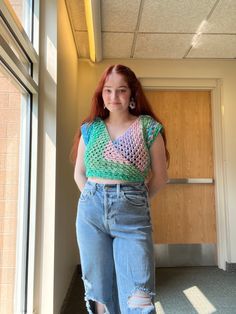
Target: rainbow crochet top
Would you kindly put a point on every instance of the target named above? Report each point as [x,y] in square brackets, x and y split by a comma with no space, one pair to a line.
[127,158]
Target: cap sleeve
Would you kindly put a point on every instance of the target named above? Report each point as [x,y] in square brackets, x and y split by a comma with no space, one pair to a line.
[151,129]
[85,131]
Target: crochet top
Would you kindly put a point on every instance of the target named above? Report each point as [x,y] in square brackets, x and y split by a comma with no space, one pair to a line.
[126,158]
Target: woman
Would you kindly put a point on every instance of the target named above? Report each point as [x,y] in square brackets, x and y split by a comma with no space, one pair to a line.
[120,164]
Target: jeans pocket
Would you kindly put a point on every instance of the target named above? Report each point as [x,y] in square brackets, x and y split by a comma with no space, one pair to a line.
[135,199]
[86,194]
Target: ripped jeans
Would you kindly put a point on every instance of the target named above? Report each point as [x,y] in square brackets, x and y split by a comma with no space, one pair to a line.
[114,235]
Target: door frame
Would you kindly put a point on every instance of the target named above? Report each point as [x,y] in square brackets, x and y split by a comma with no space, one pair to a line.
[214,86]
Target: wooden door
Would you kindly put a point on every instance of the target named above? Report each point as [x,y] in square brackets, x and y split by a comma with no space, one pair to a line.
[185,213]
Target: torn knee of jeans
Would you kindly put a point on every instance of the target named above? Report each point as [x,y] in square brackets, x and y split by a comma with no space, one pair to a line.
[90,301]
[140,299]
[87,284]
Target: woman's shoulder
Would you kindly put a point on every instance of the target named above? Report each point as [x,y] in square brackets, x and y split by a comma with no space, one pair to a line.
[151,128]
[91,124]
[88,127]
[148,120]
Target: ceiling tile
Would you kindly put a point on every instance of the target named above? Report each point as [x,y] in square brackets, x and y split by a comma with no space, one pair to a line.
[77,13]
[82,44]
[120,16]
[223,19]
[162,45]
[214,46]
[174,15]
[117,45]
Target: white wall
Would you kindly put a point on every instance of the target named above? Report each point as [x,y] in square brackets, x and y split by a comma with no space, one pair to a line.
[56,248]
[203,69]
[66,251]
[45,228]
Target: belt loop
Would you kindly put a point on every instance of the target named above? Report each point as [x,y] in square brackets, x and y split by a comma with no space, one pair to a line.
[118,190]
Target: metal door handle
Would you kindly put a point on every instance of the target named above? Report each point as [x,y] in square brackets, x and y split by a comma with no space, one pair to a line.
[191,181]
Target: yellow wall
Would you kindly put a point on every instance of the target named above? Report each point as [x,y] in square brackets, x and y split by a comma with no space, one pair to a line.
[46,187]
[203,69]
[56,247]
[66,251]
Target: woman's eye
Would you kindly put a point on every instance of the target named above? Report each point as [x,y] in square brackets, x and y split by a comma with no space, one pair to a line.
[122,90]
[107,91]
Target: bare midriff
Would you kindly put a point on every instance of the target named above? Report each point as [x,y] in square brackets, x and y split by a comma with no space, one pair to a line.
[106,181]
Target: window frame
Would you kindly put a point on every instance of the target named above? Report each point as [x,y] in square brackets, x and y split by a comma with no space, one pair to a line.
[26,245]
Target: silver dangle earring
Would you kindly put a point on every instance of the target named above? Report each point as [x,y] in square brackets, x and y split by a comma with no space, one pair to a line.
[132,104]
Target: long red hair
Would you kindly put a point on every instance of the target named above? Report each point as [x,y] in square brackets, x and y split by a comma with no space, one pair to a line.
[142,106]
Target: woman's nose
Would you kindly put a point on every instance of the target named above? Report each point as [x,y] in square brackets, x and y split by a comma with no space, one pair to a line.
[114,94]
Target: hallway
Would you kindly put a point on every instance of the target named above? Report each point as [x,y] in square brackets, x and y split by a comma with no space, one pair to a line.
[207,290]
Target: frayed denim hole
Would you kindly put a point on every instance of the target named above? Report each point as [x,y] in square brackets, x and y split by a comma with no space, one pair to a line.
[141,298]
[91,306]
[90,302]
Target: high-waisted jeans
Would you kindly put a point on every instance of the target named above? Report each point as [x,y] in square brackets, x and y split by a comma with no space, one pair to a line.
[114,235]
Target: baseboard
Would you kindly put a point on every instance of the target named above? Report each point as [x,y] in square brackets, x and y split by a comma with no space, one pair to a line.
[77,273]
[192,254]
[231,267]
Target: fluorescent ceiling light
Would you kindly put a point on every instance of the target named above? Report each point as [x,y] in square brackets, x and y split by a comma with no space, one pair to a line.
[93,20]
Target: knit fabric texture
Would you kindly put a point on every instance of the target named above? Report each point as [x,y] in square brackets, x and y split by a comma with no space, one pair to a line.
[126,158]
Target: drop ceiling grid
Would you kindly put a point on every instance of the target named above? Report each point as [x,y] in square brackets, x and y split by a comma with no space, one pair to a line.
[82,43]
[161,45]
[174,16]
[214,46]
[117,44]
[223,19]
[119,16]
[77,14]
[166,28]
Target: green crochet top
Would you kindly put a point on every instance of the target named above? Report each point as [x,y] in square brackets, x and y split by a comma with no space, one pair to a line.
[126,158]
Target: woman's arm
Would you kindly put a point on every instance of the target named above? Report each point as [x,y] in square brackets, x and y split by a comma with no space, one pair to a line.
[159,166]
[79,172]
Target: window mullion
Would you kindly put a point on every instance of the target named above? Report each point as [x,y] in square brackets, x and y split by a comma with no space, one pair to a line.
[8,14]
[12,62]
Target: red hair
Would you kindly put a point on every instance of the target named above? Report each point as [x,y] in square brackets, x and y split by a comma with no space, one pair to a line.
[142,106]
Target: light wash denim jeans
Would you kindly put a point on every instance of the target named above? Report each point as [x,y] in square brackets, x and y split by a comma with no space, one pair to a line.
[114,235]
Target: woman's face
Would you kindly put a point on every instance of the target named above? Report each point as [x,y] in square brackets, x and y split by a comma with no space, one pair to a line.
[116,93]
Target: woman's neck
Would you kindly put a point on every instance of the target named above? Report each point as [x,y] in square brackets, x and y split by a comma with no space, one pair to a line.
[119,118]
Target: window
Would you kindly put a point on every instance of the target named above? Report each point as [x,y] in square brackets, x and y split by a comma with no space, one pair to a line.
[14,46]
[18,135]
[24,11]
[14,169]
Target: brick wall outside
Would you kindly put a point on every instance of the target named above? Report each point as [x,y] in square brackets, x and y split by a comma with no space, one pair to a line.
[18,7]
[10,100]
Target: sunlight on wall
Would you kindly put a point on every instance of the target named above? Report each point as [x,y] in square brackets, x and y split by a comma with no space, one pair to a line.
[199,301]
[36,33]
[222,110]
[51,60]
